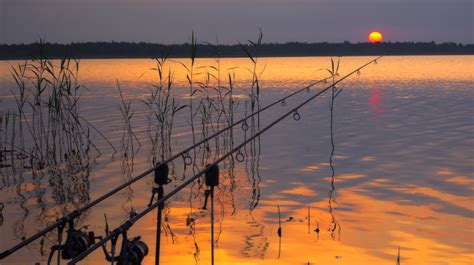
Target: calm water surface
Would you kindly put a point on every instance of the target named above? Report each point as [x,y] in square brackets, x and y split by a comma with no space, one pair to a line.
[403,160]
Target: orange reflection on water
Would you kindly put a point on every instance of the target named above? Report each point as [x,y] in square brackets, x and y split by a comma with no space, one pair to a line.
[459,201]
[346,177]
[250,237]
[309,168]
[461,180]
[290,72]
[302,191]
[245,239]
[388,224]
[375,217]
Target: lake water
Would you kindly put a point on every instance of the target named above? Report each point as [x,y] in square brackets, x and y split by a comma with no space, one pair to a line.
[403,165]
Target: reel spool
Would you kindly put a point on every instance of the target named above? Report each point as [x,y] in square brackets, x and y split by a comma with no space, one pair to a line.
[77,241]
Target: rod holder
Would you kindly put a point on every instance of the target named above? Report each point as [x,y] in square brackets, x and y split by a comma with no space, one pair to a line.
[161,174]
[161,179]
[212,175]
[212,180]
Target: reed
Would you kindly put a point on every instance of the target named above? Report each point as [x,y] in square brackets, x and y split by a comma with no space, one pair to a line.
[162,107]
[251,49]
[334,72]
[129,138]
[47,104]
[45,134]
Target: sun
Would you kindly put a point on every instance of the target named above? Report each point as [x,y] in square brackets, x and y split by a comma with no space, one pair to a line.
[375,37]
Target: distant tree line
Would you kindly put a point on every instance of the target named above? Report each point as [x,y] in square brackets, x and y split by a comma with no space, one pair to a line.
[151,50]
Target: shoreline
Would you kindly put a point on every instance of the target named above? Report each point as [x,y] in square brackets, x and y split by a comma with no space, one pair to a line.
[127,50]
[235,57]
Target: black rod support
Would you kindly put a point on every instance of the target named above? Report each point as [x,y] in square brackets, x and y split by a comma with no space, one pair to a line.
[161,179]
[212,175]
[161,174]
[212,180]
[158,228]
[212,225]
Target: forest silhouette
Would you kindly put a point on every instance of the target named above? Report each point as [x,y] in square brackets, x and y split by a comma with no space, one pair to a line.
[151,50]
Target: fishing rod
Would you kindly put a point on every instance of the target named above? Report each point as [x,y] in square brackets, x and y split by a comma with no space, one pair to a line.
[129,223]
[76,213]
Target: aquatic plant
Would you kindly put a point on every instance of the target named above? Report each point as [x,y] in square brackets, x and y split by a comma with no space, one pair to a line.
[44,136]
[162,108]
[47,100]
[129,138]
[251,49]
[334,71]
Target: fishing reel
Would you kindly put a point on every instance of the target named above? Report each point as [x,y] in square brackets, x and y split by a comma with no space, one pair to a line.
[77,241]
[132,251]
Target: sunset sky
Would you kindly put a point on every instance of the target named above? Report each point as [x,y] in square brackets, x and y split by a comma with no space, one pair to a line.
[171,21]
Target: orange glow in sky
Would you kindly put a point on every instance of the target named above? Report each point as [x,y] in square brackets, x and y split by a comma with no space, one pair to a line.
[375,37]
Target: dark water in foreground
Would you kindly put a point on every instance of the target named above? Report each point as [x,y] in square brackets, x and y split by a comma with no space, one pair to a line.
[403,134]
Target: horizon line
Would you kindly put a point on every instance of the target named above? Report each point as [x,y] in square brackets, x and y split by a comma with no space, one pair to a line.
[235,44]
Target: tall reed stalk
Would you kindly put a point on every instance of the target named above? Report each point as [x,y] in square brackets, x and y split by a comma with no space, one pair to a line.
[162,108]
